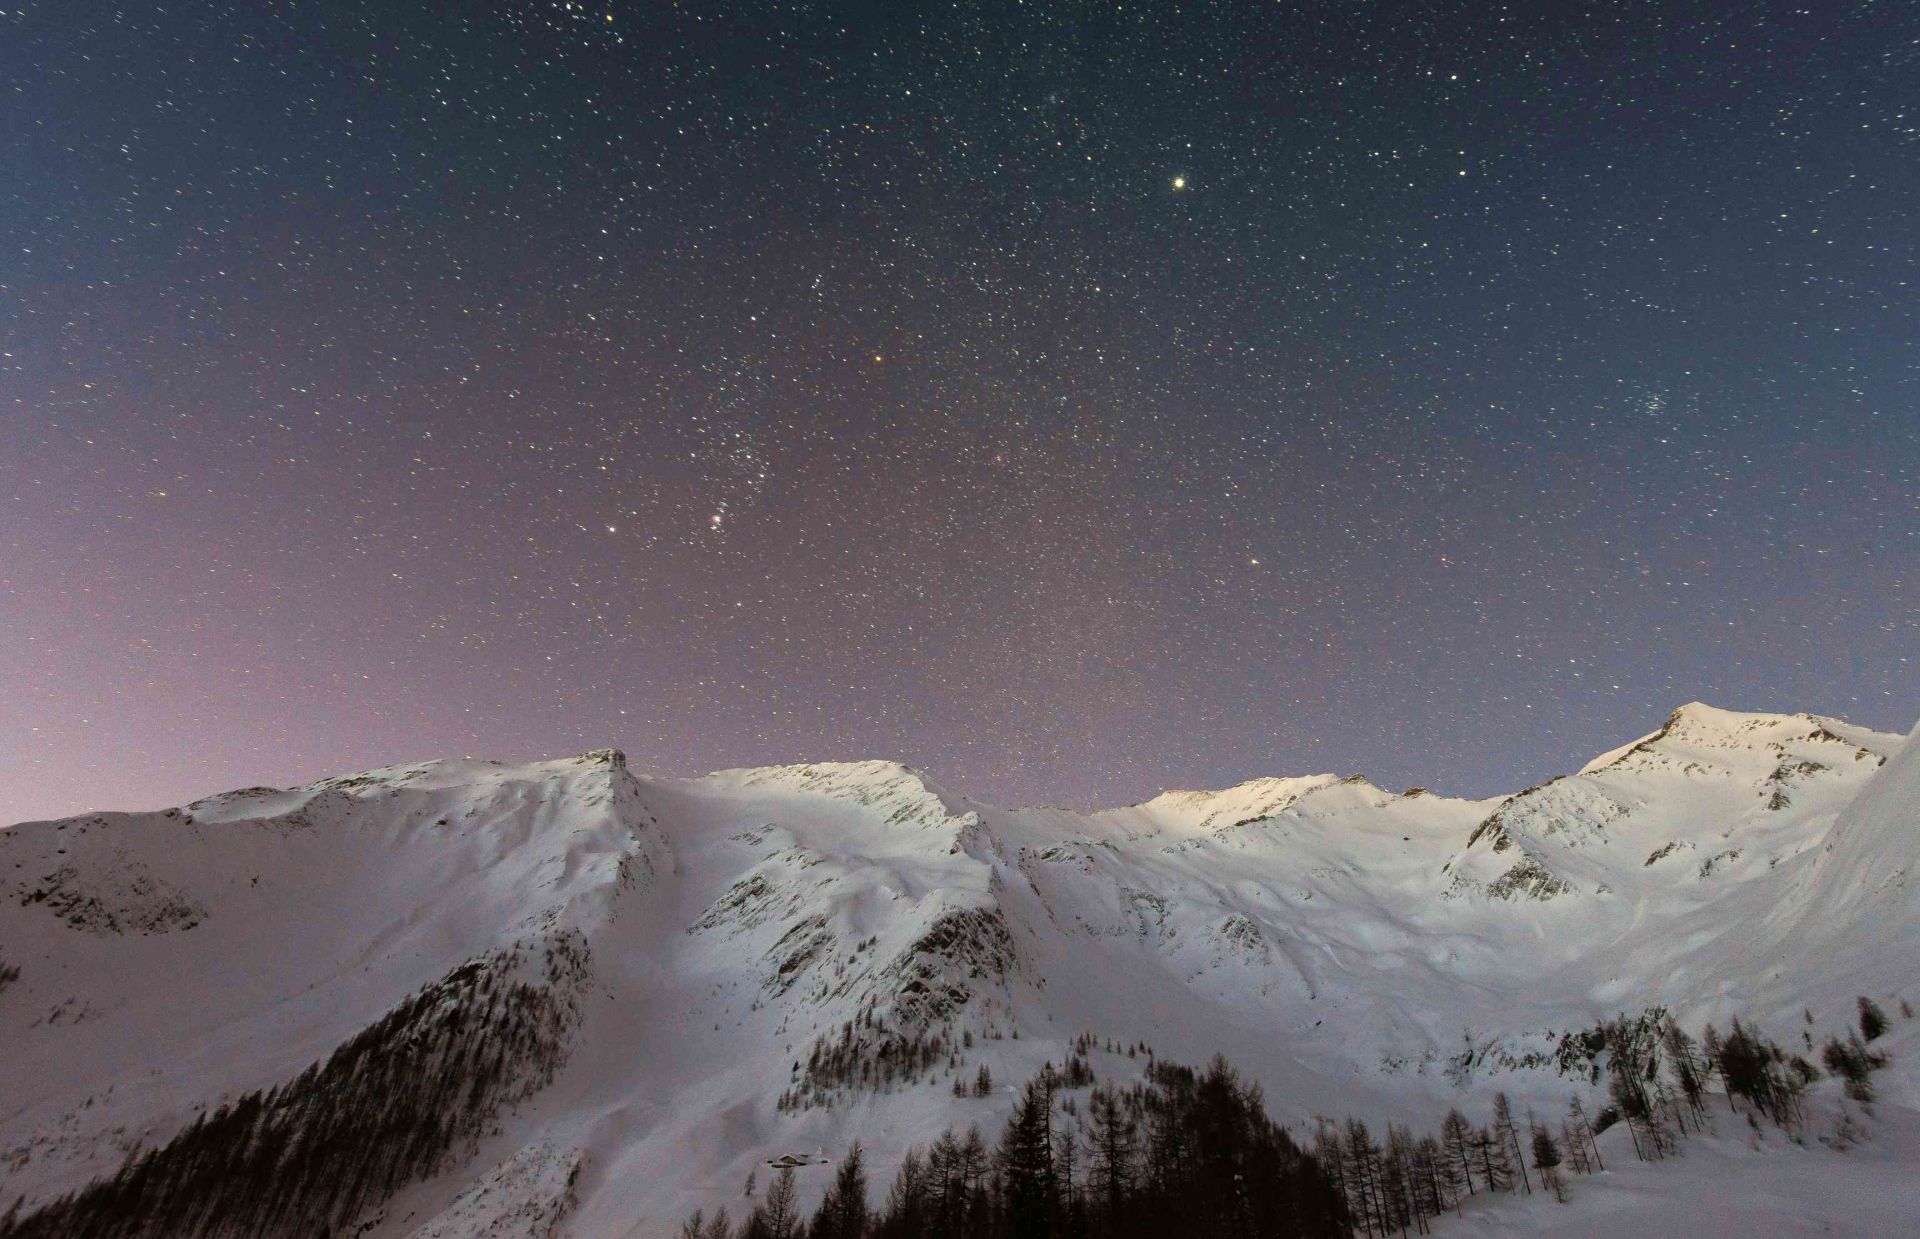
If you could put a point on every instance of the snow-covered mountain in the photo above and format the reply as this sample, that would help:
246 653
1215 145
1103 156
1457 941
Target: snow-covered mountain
616 995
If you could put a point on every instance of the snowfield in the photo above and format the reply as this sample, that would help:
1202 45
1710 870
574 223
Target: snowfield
640 990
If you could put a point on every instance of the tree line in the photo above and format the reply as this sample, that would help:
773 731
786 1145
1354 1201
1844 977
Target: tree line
394 1104
1194 1152
1185 1151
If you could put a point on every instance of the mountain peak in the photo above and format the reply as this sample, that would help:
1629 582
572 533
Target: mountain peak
1697 725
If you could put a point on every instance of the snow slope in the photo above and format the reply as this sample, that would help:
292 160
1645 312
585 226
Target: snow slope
1355 950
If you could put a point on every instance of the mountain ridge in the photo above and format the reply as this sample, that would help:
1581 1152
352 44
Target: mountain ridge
780 958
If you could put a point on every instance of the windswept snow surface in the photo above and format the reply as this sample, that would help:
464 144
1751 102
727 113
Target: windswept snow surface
1358 951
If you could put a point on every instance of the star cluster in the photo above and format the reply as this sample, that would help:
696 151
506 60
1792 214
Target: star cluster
1071 399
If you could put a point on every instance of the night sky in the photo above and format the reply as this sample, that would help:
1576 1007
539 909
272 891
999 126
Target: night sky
1070 400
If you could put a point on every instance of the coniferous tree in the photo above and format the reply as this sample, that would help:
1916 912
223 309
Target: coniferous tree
946 1194
1689 1071
1546 1159
1873 1021
907 1213
1752 1069
1169 1145
1585 1131
1854 1063
1113 1155
1360 1167
843 1210
1494 1170
1067 1171
1575 1148
777 1217
1434 1189
1667 1123
1711 1049
1630 1100
975 1165
1456 1142
1328 1149
1025 1164
1508 1134
1396 1179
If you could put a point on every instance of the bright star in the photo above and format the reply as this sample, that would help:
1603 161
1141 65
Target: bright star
1179 182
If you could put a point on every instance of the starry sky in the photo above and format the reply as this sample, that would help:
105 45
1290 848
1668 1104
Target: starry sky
1073 400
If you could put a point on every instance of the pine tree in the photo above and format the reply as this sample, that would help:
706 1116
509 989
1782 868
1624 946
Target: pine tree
1360 1167
1508 1134
975 1164
1873 1021
1667 1123
1712 1049
1854 1063
1751 1068
1496 1167
1066 1164
1546 1159
1584 1130
1436 1191
907 1203
1576 1148
778 1217
1396 1178
1114 1147
1456 1143
983 1082
1630 1099
1025 1163
1327 1148
1689 1072
843 1211
946 1197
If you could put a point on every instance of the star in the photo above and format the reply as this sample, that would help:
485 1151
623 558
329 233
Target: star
1344 356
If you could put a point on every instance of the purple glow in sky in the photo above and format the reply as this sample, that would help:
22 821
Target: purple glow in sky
1069 401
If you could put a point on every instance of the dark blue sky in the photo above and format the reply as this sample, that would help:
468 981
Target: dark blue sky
1071 400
